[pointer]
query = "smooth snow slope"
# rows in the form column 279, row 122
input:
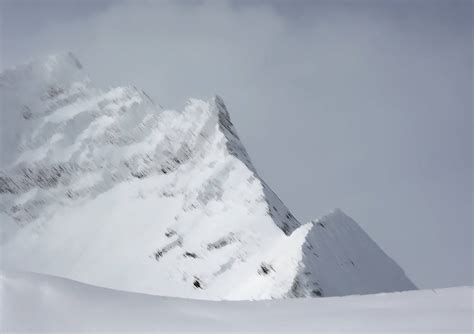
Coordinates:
column 104, row 187
column 42, row 303
column 340, row 258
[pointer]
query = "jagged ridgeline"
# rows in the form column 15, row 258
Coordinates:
column 104, row 187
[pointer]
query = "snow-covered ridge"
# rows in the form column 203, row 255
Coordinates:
column 350, row 258
column 98, row 183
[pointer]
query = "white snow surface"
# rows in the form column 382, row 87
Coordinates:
column 33, row 302
column 104, row 187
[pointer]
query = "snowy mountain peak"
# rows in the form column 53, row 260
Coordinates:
column 97, row 183
column 234, row 145
column 337, row 217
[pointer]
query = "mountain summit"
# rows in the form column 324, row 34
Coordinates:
column 104, row 187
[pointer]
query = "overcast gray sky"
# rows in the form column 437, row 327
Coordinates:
column 362, row 105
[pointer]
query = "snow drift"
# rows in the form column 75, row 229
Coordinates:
column 32, row 302
column 104, row 187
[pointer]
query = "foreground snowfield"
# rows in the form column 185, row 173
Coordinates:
column 44, row 303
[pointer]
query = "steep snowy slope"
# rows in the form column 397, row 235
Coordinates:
column 104, row 187
column 340, row 258
column 33, row 302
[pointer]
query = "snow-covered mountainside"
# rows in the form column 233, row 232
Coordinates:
column 104, row 187
column 33, row 302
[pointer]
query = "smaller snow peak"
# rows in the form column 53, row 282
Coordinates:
column 340, row 258
column 337, row 216
column 338, row 213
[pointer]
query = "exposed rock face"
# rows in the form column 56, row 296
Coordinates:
column 104, row 187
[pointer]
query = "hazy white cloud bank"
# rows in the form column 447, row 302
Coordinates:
column 365, row 106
